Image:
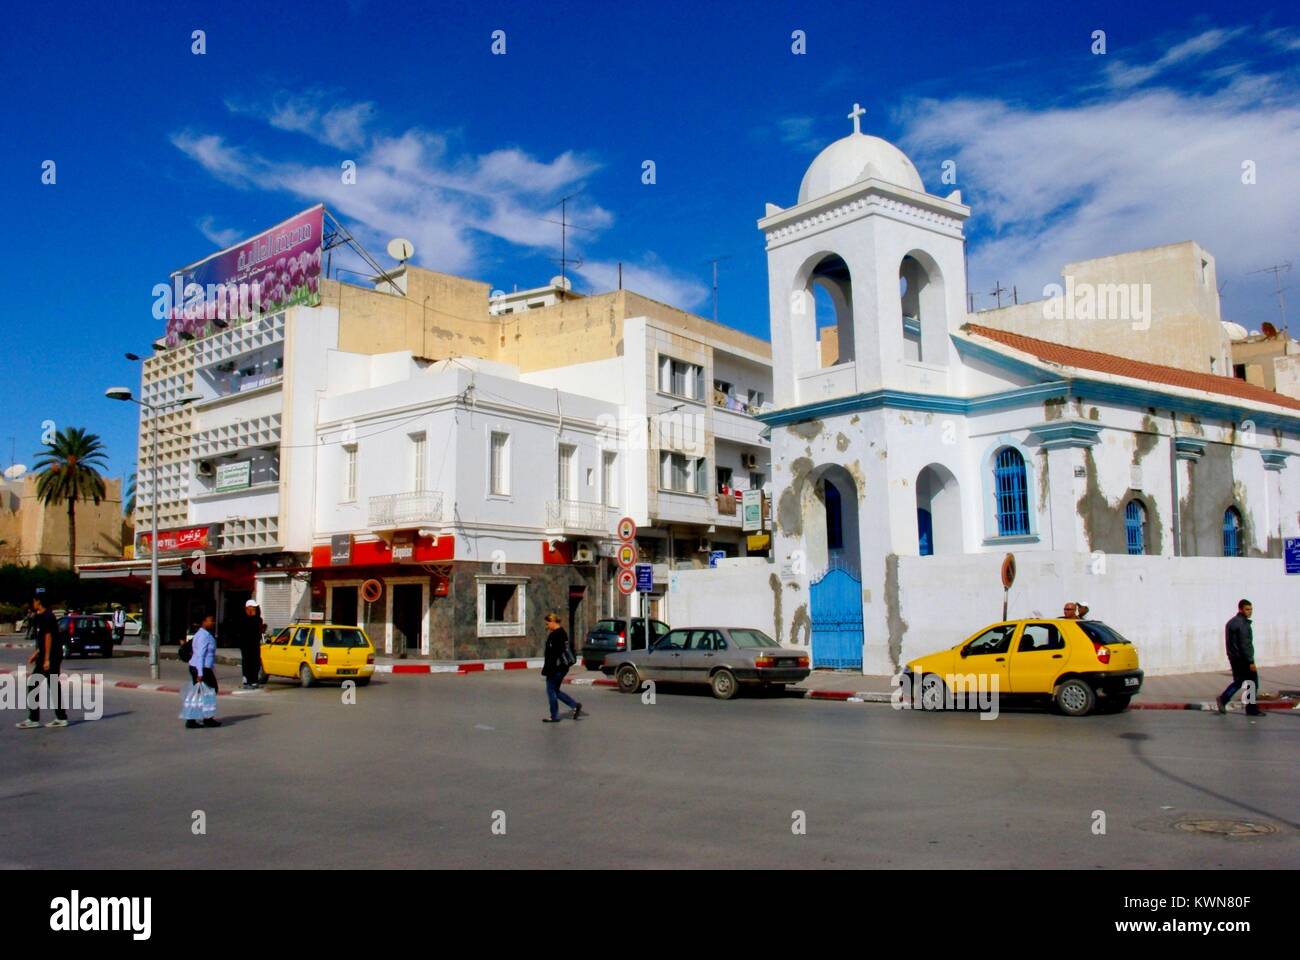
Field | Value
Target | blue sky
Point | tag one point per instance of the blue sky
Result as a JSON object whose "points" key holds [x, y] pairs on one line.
{"points": [[163, 155]]}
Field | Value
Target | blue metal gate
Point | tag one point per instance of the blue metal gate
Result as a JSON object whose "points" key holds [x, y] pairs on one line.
{"points": [[837, 620]]}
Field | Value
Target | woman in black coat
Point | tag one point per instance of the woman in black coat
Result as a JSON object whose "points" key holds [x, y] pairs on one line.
{"points": [[556, 659]]}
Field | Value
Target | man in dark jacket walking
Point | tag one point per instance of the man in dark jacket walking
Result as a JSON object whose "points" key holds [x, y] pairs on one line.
{"points": [[556, 659], [1240, 643]]}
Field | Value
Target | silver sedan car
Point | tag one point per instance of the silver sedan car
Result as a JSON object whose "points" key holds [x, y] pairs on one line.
{"points": [[722, 657]]}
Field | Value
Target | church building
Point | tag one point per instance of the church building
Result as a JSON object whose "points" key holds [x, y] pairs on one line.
{"points": [[914, 444]]}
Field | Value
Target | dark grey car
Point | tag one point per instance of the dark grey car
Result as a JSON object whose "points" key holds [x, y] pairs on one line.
{"points": [[723, 657]]}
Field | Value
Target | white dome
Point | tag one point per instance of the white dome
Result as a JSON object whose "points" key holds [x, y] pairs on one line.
{"points": [[854, 158]]}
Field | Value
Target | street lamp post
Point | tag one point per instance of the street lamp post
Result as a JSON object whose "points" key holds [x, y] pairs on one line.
{"points": [[123, 393]]}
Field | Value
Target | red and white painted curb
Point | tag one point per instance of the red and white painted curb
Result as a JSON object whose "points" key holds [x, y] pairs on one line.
{"points": [[148, 685], [477, 666]]}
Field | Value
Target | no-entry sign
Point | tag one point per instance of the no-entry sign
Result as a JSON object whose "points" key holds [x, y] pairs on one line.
{"points": [[627, 581]]}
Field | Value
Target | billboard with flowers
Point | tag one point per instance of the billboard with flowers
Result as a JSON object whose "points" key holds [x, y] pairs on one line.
{"points": [[276, 269]]}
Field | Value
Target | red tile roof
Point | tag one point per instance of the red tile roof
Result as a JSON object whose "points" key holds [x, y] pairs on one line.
{"points": [[1067, 356]]}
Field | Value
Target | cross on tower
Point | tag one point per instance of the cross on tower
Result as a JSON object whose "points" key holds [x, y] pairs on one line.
{"points": [[856, 117]]}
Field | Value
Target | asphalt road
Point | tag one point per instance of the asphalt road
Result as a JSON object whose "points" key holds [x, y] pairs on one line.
{"points": [[414, 773]]}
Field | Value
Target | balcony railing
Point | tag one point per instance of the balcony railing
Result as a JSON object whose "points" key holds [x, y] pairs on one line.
{"points": [[397, 510], [578, 516]]}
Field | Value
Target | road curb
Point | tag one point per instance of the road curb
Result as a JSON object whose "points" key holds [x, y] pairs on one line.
{"points": [[148, 686], [460, 669]]}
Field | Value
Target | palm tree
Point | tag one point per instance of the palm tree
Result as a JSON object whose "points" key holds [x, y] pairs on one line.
{"points": [[68, 471]]}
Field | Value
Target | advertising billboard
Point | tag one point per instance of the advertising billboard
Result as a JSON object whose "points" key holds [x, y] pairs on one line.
{"points": [[276, 269]]}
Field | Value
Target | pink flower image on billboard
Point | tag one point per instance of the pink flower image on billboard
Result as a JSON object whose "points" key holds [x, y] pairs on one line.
{"points": [[277, 269]]}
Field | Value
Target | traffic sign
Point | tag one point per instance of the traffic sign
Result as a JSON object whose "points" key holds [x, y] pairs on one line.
{"points": [[715, 556], [626, 528], [627, 581], [626, 554], [1291, 551], [645, 577]]}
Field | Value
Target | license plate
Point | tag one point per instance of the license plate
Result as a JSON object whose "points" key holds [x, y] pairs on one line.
{"points": [[346, 672], [1130, 681]]}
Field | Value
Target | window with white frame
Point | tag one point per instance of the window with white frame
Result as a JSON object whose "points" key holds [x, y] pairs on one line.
{"points": [[349, 472], [502, 606], [681, 379], [418, 448], [499, 468], [609, 478], [564, 472], [683, 474]]}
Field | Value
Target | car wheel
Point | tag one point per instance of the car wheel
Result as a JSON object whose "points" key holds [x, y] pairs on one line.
{"points": [[629, 681], [1074, 698], [261, 676], [304, 676], [363, 681], [940, 693], [108, 653], [723, 684]]}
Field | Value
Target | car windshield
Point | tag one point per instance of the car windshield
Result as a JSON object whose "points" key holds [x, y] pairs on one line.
{"points": [[1098, 632], [343, 637], [752, 638], [611, 626]]}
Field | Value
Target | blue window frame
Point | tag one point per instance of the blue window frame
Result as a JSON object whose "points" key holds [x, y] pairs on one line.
{"points": [[1012, 495], [1232, 532], [925, 532], [834, 517], [1135, 527]]}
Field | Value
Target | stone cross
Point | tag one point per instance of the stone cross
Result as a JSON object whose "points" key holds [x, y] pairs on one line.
{"points": [[856, 117]]}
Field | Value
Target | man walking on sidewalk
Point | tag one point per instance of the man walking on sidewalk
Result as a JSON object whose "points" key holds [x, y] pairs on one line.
{"points": [[1240, 643], [45, 661], [557, 659]]}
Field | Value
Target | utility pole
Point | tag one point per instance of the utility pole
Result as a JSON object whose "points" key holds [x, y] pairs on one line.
{"points": [[1277, 270]]}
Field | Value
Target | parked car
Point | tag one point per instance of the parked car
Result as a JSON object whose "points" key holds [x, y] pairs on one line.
{"points": [[84, 635], [723, 657], [610, 636], [1079, 665], [134, 625], [311, 652]]}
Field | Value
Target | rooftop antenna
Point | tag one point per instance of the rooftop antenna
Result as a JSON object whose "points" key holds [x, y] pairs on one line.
{"points": [[714, 261], [564, 260], [997, 291], [1277, 270]]}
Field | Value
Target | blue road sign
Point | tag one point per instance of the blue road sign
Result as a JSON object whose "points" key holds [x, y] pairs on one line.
{"points": [[645, 577], [1291, 552], [715, 556]]}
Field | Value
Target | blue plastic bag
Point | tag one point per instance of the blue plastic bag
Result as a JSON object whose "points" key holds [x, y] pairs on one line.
{"points": [[192, 702], [208, 701]]}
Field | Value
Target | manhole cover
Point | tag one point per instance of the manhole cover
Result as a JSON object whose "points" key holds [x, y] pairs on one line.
{"points": [[1234, 829]]}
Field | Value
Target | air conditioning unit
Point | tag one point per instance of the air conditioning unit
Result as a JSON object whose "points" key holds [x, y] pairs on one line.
{"points": [[749, 461], [584, 552], [206, 469]]}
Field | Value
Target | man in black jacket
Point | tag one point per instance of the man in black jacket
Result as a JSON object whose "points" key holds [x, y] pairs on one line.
{"points": [[555, 664], [249, 635], [1240, 643]]}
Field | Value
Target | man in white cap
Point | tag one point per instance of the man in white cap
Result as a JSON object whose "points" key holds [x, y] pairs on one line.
{"points": [[1083, 610], [250, 645]]}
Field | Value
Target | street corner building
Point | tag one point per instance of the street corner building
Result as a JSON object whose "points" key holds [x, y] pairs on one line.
{"points": [[441, 462]]}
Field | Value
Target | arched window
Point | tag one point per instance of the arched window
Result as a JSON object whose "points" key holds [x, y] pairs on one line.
{"points": [[925, 532], [834, 517], [1011, 492], [1232, 546], [1135, 527]]}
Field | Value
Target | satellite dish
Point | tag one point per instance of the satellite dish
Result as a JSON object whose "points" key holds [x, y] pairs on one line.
{"points": [[400, 249], [15, 471], [1270, 331], [496, 294], [1235, 331], [562, 283]]}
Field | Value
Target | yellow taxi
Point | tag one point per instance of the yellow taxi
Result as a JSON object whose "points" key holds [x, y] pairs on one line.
{"points": [[310, 652], [1081, 665]]}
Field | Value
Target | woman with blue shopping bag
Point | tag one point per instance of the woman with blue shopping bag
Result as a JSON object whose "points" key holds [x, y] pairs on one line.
{"points": [[199, 706]]}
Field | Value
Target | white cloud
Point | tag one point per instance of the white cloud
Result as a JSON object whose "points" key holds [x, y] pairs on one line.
{"points": [[340, 125], [1124, 76], [220, 237], [1050, 186]]}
